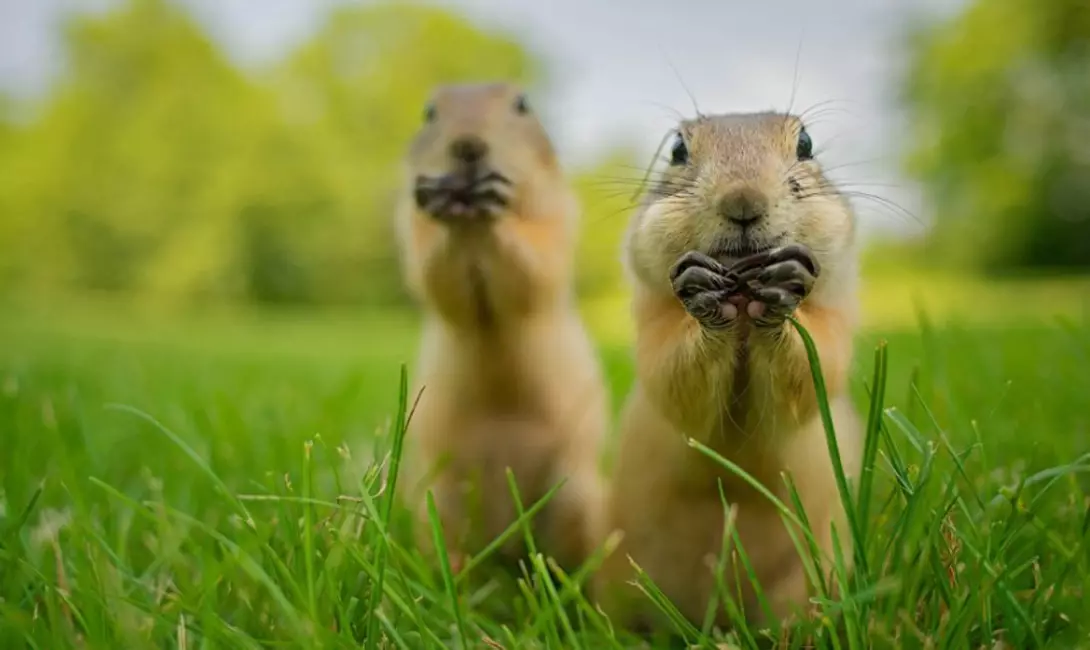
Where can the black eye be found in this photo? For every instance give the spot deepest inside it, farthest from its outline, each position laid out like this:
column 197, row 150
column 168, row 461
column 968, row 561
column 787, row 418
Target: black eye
column 522, row 107
column 429, row 113
column 805, row 148
column 679, row 155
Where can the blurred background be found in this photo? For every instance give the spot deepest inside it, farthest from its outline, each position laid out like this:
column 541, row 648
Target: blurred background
column 200, row 300
column 194, row 154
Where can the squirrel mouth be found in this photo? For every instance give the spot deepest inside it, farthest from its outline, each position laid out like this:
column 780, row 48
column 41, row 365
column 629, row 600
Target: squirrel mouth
column 464, row 194
column 735, row 249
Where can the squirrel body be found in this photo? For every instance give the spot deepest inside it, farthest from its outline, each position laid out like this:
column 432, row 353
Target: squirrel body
column 740, row 232
column 507, row 375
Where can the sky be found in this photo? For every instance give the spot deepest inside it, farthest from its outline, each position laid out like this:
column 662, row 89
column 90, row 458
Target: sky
column 624, row 71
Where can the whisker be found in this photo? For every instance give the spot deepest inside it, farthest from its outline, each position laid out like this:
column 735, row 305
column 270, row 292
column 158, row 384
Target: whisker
column 893, row 205
column 664, row 192
column 795, row 77
column 675, row 114
column 658, row 151
column 818, row 115
column 660, row 176
column 617, row 183
column 870, row 161
column 806, row 114
column 848, row 183
column 692, row 98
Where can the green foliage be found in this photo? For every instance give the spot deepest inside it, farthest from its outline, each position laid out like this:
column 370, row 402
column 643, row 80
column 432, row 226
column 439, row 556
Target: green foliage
column 998, row 98
column 355, row 95
column 8, row 181
column 209, row 484
column 608, row 195
column 127, row 175
column 156, row 167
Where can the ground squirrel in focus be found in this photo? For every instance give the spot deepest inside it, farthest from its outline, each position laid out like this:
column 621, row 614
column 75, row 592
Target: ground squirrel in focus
column 487, row 230
column 739, row 232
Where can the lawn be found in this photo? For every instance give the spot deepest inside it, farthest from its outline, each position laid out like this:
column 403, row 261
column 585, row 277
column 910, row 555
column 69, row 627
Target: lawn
column 209, row 483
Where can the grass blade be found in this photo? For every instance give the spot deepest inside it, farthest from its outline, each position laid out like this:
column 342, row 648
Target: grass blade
column 200, row 462
column 834, row 447
column 870, row 445
column 308, row 534
column 444, row 565
column 400, row 423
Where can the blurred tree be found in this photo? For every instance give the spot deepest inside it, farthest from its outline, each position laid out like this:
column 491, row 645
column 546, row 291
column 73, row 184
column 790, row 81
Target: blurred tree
column 999, row 98
column 355, row 95
column 155, row 166
column 127, row 176
column 608, row 192
column 6, row 126
column 8, row 141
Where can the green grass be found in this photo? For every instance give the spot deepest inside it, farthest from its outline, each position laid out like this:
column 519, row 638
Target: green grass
column 211, row 483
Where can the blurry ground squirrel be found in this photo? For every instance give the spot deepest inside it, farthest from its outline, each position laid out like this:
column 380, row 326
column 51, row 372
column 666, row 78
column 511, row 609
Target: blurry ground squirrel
column 740, row 231
column 487, row 232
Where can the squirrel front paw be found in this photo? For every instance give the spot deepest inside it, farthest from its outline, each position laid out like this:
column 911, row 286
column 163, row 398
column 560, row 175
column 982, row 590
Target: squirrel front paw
column 703, row 286
column 778, row 283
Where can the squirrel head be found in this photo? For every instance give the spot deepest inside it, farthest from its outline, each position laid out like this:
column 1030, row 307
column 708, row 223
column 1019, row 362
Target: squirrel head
column 738, row 184
column 481, row 153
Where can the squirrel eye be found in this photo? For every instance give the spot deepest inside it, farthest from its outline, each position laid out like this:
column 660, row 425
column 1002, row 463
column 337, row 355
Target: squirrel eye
column 429, row 113
column 805, row 148
column 679, row 155
column 522, row 107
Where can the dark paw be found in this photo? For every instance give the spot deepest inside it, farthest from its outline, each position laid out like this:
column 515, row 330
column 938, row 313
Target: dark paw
column 779, row 283
column 703, row 285
column 462, row 197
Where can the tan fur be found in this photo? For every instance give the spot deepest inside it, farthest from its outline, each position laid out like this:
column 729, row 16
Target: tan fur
column 747, row 394
column 509, row 376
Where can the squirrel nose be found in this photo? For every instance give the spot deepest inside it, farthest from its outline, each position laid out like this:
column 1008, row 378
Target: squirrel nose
column 468, row 149
column 743, row 207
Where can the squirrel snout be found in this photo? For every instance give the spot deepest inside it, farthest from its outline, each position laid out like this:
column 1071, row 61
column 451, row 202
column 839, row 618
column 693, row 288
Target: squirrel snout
column 743, row 206
column 468, row 149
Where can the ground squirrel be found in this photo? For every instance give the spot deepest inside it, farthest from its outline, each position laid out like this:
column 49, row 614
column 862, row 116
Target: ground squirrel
column 510, row 378
column 740, row 231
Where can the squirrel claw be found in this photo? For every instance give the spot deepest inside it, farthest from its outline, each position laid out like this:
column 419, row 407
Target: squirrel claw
column 703, row 286
column 768, row 286
column 777, row 288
